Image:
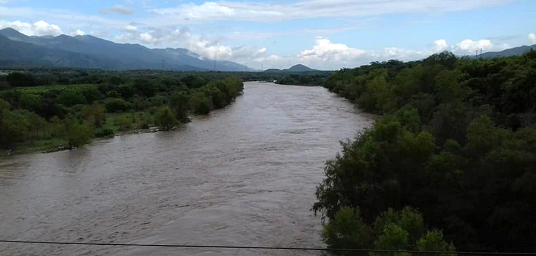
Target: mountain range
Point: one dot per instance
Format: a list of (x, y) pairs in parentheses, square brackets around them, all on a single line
[(508, 52), (17, 49), (92, 52)]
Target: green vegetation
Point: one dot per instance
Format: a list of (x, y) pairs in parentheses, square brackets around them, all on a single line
[(165, 119), (71, 115), (308, 79), (392, 230), (456, 140)]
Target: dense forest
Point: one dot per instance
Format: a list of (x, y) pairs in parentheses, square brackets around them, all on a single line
[(66, 108), (316, 78), (455, 141)]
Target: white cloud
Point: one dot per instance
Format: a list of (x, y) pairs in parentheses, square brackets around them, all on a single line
[(402, 54), (131, 28), (504, 46), (78, 32), (119, 9), (469, 46), (532, 38), (277, 11), (440, 45), (324, 51), (146, 38), (40, 28), (328, 55), (206, 47)]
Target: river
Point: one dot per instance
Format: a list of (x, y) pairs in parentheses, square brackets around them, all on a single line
[(244, 175)]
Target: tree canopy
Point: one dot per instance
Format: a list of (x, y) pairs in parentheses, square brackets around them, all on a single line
[(456, 139)]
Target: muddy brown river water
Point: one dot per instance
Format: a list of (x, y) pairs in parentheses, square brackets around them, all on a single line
[(244, 175)]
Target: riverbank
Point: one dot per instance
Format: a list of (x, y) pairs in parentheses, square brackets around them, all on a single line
[(57, 117), (55, 145), (60, 144)]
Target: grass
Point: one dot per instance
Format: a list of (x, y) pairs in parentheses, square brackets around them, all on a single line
[(36, 146), (43, 145), (134, 121)]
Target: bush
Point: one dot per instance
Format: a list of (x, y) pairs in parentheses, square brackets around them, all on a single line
[(200, 104), (393, 230), (179, 104), (104, 132), (124, 122), (115, 105), (71, 98), (165, 119), (77, 134)]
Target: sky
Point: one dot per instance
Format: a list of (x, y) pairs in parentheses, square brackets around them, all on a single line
[(322, 34)]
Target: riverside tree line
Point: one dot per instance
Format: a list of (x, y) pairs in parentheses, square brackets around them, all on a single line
[(449, 165), (33, 114)]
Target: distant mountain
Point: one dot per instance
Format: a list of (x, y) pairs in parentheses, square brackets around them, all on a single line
[(294, 69), (508, 52), (34, 55), (106, 54), (300, 68)]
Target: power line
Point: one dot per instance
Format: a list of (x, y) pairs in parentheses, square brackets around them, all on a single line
[(260, 248)]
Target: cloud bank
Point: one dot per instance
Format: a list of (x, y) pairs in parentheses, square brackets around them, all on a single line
[(279, 11)]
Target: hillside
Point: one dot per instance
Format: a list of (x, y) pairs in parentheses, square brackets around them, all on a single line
[(516, 51), (300, 68), (294, 69), (105, 54), (33, 55)]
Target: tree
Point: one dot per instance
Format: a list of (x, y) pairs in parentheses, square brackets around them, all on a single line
[(13, 127), (200, 103), (465, 157), (117, 105), (31, 102), (165, 119), (433, 241), (179, 103), (126, 91), (392, 238), (19, 79), (347, 230), (71, 98), (407, 219), (35, 124), (144, 87), (94, 113), (91, 94), (393, 230), (77, 134), (4, 85), (193, 81)]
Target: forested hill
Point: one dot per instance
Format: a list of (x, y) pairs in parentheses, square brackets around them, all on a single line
[(457, 142)]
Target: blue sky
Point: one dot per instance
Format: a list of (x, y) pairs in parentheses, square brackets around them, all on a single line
[(325, 34)]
